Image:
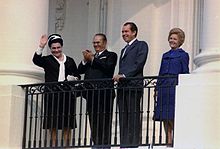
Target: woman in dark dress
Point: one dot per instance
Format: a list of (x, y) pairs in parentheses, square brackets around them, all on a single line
[(59, 106), (174, 62)]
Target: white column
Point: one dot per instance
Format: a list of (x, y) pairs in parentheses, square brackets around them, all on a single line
[(197, 112), (22, 23), (209, 59), (197, 109), (12, 103), (93, 19)]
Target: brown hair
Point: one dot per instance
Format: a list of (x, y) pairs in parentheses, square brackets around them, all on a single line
[(180, 33), (103, 36), (133, 27)]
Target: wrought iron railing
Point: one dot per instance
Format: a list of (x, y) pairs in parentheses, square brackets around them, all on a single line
[(68, 103)]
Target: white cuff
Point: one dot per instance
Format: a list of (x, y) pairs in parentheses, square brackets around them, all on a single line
[(84, 62), (39, 51)]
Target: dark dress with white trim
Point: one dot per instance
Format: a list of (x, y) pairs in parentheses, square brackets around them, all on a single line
[(59, 106)]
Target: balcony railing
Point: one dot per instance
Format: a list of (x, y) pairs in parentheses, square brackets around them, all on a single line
[(69, 105)]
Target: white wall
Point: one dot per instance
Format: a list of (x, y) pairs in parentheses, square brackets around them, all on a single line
[(154, 19), (197, 112), (75, 29), (12, 102)]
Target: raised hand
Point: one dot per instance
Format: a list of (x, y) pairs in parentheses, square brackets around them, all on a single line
[(43, 41)]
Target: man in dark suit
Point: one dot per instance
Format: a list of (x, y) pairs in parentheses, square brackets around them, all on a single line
[(131, 64), (99, 99)]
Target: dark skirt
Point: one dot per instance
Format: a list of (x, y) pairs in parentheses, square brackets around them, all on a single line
[(59, 110)]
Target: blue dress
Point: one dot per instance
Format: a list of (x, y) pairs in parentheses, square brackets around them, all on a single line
[(173, 62)]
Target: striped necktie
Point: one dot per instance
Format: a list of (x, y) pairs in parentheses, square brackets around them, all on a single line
[(97, 55)]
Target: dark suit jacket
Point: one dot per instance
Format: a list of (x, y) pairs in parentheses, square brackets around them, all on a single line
[(133, 61), (100, 97), (101, 67)]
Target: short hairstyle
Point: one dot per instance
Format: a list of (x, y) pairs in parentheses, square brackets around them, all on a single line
[(179, 32), (133, 27), (103, 36), (54, 38)]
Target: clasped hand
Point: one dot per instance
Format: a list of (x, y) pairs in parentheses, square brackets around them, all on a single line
[(88, 55), (72, 78), (118, 77)]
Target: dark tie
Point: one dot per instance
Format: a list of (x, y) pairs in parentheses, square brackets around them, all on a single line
[(124, 50), (96, 55)]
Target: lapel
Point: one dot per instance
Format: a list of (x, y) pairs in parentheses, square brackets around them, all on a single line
[(103, 54), (129, 48)]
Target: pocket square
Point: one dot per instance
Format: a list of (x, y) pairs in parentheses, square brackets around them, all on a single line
[(102, 57)]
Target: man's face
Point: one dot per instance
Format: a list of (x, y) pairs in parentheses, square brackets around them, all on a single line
[(99, 44), (56, 49), (127, 34)]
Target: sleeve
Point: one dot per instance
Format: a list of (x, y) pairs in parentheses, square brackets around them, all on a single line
[(161, 67), (74, 70), (82, 67), (38, 60), (160, 74), (39, 51), (185, 63)]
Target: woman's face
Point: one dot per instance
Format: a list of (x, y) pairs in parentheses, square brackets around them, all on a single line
[(174, 41), (56, 49)]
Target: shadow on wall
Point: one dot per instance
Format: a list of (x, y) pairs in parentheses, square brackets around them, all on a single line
[(132, 8)]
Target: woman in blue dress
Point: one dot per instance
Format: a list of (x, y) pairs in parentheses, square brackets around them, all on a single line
[(174, 62)]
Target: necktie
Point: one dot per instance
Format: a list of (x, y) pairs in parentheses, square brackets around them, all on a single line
[(96, 55), (125, 48)]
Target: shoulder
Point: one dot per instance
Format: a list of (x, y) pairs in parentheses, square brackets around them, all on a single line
[(183, 52), (177, 54), (141, 42), (166, 54), (48, 57), (142, 45), (69, 59), (110, 52), (139, 45)]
